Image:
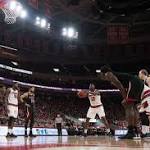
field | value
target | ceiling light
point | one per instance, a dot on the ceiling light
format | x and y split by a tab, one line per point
56	69
12	5
23	14
43	23
98	70
70	32
14	63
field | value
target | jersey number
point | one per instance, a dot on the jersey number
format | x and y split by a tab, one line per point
15	95
93	98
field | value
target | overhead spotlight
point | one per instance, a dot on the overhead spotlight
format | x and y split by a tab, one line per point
18	8
70	32
23	14
76	35
38	21
15	6
43	23
14	63
38	18
48	25
98	71
56	70
12	5
64	31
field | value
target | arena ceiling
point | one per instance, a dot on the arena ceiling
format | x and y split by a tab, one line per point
92	16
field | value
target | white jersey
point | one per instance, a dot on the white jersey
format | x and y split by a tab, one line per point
94	98
13	97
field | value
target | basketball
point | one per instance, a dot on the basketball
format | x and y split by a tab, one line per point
82	94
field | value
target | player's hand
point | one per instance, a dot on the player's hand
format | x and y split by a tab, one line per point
139	107
21	100
124	102
82	94
27	105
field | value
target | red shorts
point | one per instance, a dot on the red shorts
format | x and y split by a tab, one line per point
130	101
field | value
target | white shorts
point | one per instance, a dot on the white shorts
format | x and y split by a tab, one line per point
12	111
145	106
93	111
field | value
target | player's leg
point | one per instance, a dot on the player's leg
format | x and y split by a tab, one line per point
12	115
31	122
15	116
101	114
10	126
130	118
145	107
149	119
144	124
90	115
86	126
149	125
148	111
104	120
137	123
9	121
129	111
59	129
27	115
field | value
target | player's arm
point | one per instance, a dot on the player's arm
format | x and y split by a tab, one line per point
97	92
62	122
114	80
19	94
3	93
55	123
22	97
6	97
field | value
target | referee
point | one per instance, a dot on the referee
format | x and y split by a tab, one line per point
59	124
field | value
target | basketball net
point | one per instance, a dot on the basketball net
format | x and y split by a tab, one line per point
10	14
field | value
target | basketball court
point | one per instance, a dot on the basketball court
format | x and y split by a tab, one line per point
72	143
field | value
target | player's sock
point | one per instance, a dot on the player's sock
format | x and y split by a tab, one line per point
25	132
136	134
130	129
30	132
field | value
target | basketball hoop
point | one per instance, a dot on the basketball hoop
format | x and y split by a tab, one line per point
10	14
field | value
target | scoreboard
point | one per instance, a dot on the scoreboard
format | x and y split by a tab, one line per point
117	34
